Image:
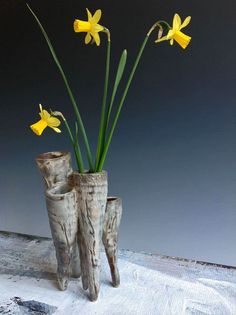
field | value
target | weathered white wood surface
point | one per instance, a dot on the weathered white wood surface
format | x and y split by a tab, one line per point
150	284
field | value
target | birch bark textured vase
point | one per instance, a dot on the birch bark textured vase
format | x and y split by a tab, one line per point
91	191
110	235
63	218
55	167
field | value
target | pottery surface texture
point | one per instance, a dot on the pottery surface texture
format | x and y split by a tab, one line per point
91	191
63	217
81	218
55	168
110	235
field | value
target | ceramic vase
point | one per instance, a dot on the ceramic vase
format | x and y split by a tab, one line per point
55	168
63	219
91	189
110	235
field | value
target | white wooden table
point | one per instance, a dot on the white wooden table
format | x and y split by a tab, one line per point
150	284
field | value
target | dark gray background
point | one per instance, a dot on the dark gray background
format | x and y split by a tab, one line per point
173	157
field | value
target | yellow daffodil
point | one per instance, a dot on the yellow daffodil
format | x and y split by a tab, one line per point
176	34
91	27
46	120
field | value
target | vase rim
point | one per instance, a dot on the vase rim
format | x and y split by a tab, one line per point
52	155
113	198
86	173
59	189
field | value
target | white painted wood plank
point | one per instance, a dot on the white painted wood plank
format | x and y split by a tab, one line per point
150	284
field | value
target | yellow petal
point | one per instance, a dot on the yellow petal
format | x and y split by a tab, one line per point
172	41
161	39
89	15
97	16
44	114
182	39
170	34
56	129
53	122
185	22
176	22
88	38
96	38
98	28
39	127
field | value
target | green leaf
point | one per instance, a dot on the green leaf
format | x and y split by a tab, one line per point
107	144
119	74
76	133
101	135
74	104
45	36
121	67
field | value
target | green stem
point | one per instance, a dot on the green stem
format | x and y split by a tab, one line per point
106	147
78	156
119	74
79	119
109	109
159	24
101	136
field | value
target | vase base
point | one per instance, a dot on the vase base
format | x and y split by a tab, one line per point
62	282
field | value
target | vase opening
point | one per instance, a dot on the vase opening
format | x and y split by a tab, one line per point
51	155
112	198
60	189
87	172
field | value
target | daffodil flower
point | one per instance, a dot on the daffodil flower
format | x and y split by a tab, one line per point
91	27
46	120
176	34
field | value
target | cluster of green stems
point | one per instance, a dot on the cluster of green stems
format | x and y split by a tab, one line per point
106	129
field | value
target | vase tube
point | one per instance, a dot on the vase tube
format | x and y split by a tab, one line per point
91	191
63	219
54	167
110	235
